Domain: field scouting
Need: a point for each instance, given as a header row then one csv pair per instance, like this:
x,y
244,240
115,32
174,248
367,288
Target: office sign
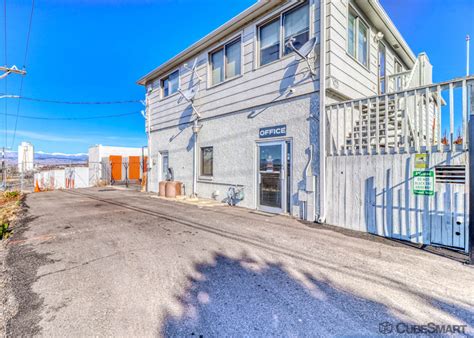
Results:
x,y
276,131
423,182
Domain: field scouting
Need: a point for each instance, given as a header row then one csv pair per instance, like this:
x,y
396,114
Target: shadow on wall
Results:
x,y
394,211
240,297
288,82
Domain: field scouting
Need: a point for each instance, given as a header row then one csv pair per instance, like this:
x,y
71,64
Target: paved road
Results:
x,y
117,263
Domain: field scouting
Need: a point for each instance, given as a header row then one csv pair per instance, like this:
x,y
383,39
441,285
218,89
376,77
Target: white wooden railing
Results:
x,y
399,81
419,75
407,121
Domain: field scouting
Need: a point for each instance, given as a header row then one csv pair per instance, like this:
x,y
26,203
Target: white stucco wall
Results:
x,y
234,138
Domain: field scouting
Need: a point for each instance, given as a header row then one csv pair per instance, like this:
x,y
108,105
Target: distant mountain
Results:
x,y
42,158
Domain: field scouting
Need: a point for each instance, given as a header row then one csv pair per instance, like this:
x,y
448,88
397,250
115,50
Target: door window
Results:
x,y
164,166
271,170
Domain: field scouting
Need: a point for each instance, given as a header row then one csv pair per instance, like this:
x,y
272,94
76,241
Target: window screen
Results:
x,y
296,25
217,66
226,62
232,59
270,42
170,84
351,35
362,52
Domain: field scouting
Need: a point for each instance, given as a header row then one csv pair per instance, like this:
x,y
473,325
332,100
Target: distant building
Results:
x,y
114,164
25,157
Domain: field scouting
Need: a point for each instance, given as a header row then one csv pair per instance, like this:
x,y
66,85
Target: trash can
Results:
x,y
173,189
162,189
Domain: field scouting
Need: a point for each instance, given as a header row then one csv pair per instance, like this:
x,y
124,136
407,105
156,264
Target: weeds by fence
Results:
x,y
10,204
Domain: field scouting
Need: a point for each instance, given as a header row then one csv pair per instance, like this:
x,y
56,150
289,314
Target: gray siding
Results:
x,y
255,87
345,75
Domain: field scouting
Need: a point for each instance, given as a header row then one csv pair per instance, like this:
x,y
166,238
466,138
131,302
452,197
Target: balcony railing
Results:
x,y
411,120
399,81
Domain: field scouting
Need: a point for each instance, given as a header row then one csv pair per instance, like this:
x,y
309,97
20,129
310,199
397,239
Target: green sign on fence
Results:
x,y
423,182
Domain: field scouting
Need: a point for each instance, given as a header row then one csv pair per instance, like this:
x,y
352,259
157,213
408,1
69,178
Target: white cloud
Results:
x,y
47,137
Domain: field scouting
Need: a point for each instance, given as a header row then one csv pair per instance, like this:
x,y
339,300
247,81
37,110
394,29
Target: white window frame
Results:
x,y
385,77
163,79
201,163
279,17
397,60
223,48
164,154
357,21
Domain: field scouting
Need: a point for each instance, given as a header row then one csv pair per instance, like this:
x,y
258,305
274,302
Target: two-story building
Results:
x,y
266,102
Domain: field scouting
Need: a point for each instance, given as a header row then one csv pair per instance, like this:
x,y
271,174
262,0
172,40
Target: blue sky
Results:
x,y
95,50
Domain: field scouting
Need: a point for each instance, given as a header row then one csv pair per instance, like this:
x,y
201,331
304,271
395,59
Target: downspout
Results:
x,y
322,114
309,187
149,157
196,128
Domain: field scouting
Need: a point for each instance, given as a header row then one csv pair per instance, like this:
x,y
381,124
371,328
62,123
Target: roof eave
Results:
x,y
406,53
213,37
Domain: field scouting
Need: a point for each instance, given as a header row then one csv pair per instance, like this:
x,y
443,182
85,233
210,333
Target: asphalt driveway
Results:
x,y
104,262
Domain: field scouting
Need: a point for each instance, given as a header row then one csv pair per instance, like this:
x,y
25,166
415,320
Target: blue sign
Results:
x,y
276,131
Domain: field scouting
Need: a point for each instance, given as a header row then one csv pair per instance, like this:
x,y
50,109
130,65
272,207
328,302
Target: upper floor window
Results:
x,y
358,39
270,42
399,80
170,84
382,69
294,24
226,62
398,67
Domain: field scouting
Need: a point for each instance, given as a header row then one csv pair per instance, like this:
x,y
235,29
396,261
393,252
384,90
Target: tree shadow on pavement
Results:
x,y
240,297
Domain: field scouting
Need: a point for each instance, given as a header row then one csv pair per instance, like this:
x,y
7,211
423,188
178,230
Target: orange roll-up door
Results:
x,y
116,167
134,167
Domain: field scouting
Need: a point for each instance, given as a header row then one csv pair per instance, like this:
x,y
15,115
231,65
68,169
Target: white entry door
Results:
x,y
272,177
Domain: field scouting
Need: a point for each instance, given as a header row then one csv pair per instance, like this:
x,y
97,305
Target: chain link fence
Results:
x,y
13,179
129,172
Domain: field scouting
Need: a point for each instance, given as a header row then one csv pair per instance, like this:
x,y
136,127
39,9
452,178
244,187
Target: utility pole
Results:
x,y
7,71
11,70
468,39
4,171
471,161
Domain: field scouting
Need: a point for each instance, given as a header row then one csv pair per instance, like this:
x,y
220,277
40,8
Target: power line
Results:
x,y
48,118
24,66
77,102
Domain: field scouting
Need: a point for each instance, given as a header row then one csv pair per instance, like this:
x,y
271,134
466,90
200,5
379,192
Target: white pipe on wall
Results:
x,y
322,114
150,154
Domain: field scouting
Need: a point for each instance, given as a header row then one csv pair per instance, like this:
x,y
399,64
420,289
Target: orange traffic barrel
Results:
x,y
37,188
